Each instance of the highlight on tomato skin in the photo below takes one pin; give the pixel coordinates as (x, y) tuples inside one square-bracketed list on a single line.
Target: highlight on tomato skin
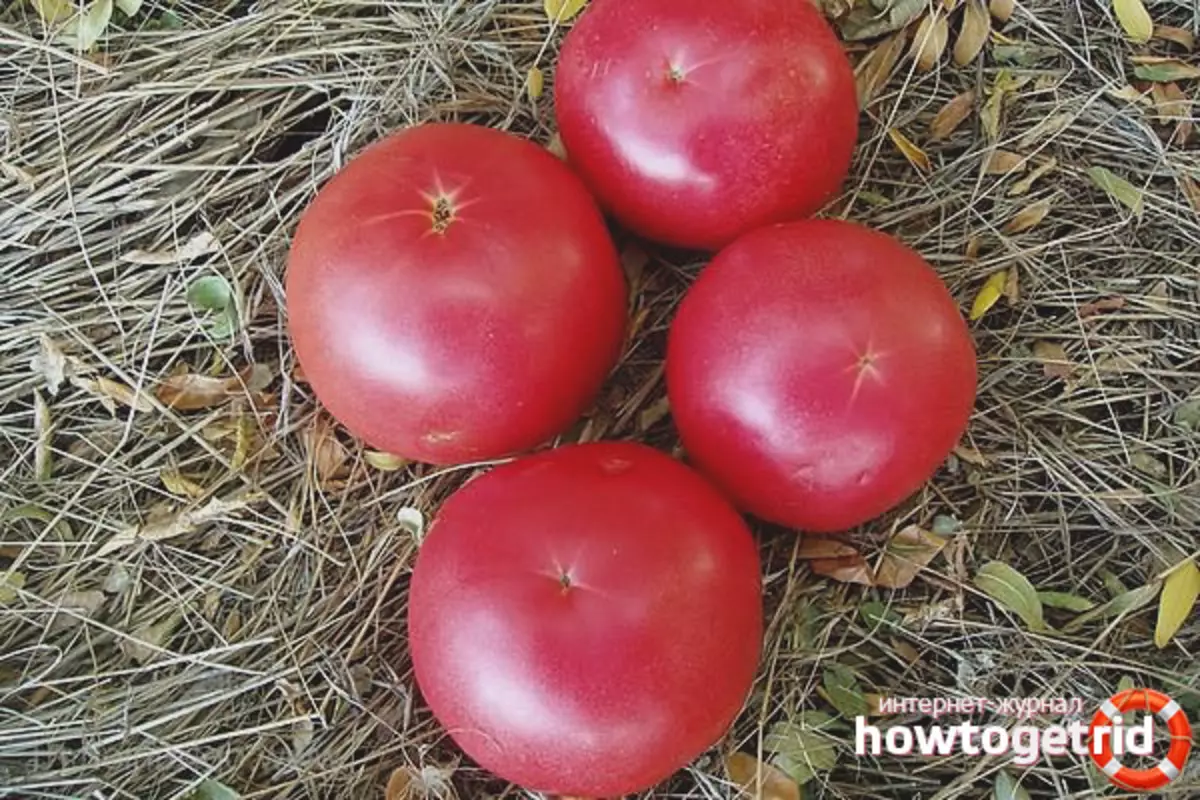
[(695, 121), (819, 372), (453, 295), (587, 620)]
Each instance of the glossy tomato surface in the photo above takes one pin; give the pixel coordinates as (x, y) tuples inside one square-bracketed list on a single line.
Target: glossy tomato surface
[(586, 620), (453, 294), (819, 372), (697, 120)]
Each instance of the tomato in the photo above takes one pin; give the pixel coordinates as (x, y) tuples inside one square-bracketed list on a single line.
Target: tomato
[(586, 620), (695, 121), (819, 372), (453, 294)]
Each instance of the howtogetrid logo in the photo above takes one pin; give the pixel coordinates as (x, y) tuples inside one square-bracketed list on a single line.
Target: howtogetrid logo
[(1107, 743)]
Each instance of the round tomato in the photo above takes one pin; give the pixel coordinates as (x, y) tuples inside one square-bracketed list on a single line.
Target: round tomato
[(453, 294), (586, 620), (695, 121), (819, 372)]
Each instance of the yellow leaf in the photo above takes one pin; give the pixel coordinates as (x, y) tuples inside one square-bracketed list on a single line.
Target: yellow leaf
[(1179, 593), (53, 11), (976, 25), (1002, 10), (1028, 217), (563, 10), (108, 391), (874, 71), (1191, 190), (758, 780), (535, 83), (951, 115), (991, 291), (179, 484), (915, 155), (1135, 19), (1025, 184), (1054, 359), (1179, 36), (1003, 162), (384, 462), (1117, 188), (10, 584), (930, 40)]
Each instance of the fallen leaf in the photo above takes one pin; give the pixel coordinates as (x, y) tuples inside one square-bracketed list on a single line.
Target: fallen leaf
[(1004, 162), (991, 291), (535, 83), (1006, 787), (876, 614), (1012, 286), (971, 455), (177, 524), (399, 785), (563, 10), (384, 462), (842, 691), (1012, 591), (876, 67), (199, 245), (1134, 19), (866, 20), (915, 155), (930, 40), (951, 115), (948, 524), (1147, 464), (800, 749), (85, 604), (1180, 590), (1103, 304), (53, 11), (823, 547), (991, 117), (85, 29), (1191, 190), (51, 363), (117, 580), (43, 463), (1117, 188), (243, 435), (110, 392), (1187, 414), (1053, 358), (1123, 603), (1028, 217), (1022, 54), (905, 650), (328, 456), (1045, 129), (847, 569), (1065, 601), (11, 583), (1130, 94), (1025, 184), (180, 485), (192, 391), (976, 25), (1002, 10), (1173, 106), (1179, 36), (974, 243), (1165, 70), (148, 641), (757, 780), (907, 553)]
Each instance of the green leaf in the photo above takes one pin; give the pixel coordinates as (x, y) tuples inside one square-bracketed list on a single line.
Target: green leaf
[(1187, 414), (1007, 788), (53, 11), (946, 525), (1112, 583), (1021, 54), (210, 293), (214, 790), (875, 614), (1013, 591), (865, 22), (843, 692), (799, 751), (129, 7), (84, 30), (1132, 600), (1167, 71), (32, 512), (1118, 189), (1125, 683), (1065, 600), (10, 583)]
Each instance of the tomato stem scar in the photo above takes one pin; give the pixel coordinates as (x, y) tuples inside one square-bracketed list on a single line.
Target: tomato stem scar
[(442, 214)]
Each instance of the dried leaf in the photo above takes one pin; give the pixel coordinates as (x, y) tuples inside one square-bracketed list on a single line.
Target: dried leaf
[(1028, 217), (535, 83), (177, 524), (1012, 591), (43, 463), (117, 580), (951, 115), (1118, 188), (915, 155), (1173, 106), (51, 363), (847, 569), (930, 40), (1134, 19), (971, 455), (1025, 184), (823, 547), (867, 21), (1065, 601), (191, 391), (10, 584), (563, 10), (1180, 590), (1054, 360), (991, 291), (110, 392), (976, 25), (993, 109), (180, 485), (907, 553), (1159, 297), (1012, 286), (1004, 162), (384, 462), (87, 603), (1045, 129), (1002, 10), (905, 650), (329, 457), (1103, 304), (400, 784), (757, 780), (1191, 190), (243, 435), (974, 243), (1165, 70), (1130, 94), (149, 640), (199, 245), (800, 749), (875, 69), (1179, 36)]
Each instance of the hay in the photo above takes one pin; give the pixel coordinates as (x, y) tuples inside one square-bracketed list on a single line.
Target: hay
[(259, 641)]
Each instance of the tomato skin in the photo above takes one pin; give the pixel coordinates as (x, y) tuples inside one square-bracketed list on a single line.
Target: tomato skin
[(609, 686), (480, 341), (819, 372), (760, 129)]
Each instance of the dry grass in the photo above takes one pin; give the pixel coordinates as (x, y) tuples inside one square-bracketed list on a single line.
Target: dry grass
[(276, 660)]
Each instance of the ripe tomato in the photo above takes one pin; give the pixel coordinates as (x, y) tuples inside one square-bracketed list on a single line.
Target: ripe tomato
[(586, 620), (695, 121), (453, 294), (819, 372)]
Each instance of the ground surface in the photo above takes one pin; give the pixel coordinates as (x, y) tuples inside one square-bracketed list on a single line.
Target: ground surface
[(258, 639)]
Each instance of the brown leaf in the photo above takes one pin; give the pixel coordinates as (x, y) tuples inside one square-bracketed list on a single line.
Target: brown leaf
[(915, 155), (930, 40), (951, 115), (976, 27), (1104, 304), (110, 392), (973, 245), (177, 524), (199, 245), (399, 785), (875, 70), (191, 391), (759, 780), (1174, 106), (1025, 184), (971, 455), (329, 457), (1004, 162), (1012, 286), (905, 650), (823, 547), (1191, 190), (1179, 36), (43, 463), (907, 553), (1054, 359), (1028, 217), (847, 569), (1002, 10)]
